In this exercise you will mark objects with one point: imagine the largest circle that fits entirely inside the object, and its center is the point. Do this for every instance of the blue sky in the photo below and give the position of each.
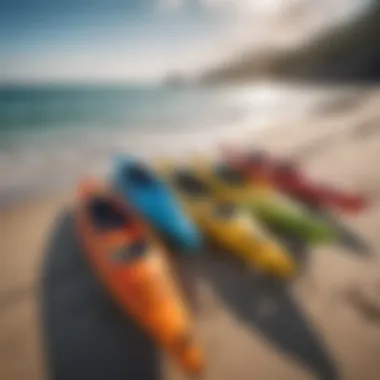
(49, 40)
(42, 39)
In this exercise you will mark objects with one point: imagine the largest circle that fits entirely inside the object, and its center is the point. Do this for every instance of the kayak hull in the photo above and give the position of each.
(236, 232)
(276, 211)
(320, 196)
(245, 239)
(295, 183)
(144, 286)
(269, 206)
(158, 206)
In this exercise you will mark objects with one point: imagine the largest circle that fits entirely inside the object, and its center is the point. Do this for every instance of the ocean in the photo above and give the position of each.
(52, 135)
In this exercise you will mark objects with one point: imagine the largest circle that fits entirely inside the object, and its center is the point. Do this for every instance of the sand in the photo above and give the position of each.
(343, 150)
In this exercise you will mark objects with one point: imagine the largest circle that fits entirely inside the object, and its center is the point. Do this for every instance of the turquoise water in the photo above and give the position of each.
(52, 135)
(39, 108)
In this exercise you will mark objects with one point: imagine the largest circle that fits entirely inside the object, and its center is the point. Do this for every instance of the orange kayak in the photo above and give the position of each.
(134, 268)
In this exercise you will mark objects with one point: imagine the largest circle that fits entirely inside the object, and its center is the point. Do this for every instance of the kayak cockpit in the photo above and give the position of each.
(229, 175)
(188, 183)
(255, 158)
(105, 214)
(139, 175)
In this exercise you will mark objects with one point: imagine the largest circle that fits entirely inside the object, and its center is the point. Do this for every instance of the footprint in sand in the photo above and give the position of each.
(366, 129)
(365, 299)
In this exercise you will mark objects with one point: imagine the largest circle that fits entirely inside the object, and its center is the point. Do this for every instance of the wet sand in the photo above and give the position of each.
(324, 325)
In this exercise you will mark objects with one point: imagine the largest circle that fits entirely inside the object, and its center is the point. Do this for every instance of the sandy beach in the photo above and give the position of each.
(341, 148)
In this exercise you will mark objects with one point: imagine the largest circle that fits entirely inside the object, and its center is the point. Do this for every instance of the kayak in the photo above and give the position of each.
(291, 180)
(154, 200)
(230, 227)
(132, 265)
(265, 202)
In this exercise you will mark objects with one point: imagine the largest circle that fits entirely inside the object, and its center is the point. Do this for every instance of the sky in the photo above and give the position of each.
(144, 40)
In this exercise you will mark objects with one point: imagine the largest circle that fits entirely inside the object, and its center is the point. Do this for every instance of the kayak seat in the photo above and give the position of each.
(229, 175)
(105, 215)
(132, 251)
(140, 175)
(256, 158)
(189, 184)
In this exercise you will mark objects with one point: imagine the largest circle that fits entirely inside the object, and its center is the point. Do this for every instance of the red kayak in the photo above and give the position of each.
(289, 179)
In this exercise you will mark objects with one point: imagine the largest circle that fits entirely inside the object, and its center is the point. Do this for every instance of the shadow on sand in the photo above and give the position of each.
(88, 337)
(347, 238)
(269, 307)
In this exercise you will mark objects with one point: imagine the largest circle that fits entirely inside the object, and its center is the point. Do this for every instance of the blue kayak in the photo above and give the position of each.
(153, 199)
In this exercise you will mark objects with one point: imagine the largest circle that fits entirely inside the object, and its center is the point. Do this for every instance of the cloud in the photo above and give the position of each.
(280, 23)
(245, 26)
(282, 8)
(246, 6)
(169, 5)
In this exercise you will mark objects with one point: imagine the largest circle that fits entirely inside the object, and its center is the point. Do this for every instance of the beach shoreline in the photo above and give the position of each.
(337, 149)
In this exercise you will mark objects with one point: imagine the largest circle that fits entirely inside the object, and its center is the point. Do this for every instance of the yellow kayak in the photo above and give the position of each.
(228, 184)
(230, 227)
